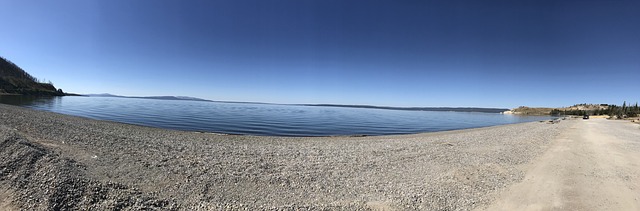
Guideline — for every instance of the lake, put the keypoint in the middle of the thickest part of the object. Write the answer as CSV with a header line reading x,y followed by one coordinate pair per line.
x,y
263,119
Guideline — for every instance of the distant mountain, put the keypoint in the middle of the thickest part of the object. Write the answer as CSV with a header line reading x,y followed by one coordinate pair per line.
x,y
151,97
102,95
455,109
174,98
15,81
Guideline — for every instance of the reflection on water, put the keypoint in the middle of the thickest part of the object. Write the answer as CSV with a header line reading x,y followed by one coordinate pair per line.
x,y
28,101
262,119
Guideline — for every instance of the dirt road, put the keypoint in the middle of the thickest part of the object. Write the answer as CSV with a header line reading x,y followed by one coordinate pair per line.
x,y
594,165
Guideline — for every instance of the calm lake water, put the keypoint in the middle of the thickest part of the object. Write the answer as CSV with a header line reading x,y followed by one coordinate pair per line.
x,y
263,119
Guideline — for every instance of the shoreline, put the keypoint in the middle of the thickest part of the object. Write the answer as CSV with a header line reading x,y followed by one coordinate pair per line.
x,y
111,165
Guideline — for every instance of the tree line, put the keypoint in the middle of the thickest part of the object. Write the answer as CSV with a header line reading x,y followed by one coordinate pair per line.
x,y
626,110
9,69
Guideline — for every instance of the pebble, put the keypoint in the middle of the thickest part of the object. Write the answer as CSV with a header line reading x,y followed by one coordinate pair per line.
x,y
155,169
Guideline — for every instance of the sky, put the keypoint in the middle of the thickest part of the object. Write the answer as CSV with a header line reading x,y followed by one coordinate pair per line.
x,y
393,53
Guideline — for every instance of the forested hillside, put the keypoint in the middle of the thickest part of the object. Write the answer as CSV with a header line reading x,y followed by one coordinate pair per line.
x,y
14,80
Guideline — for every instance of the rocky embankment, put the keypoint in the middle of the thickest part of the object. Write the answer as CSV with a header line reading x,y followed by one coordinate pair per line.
x,y
55,162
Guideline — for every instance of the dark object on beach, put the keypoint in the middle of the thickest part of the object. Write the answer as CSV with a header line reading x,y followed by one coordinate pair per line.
x,y
585,117
554,121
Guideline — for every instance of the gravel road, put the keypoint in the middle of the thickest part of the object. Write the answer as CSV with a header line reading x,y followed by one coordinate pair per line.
x,y
591,166
52,161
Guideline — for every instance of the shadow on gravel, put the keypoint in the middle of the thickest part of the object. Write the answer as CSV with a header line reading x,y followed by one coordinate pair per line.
x,y
42,180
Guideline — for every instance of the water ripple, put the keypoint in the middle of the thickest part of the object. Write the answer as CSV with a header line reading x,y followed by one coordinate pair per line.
x,y
264,119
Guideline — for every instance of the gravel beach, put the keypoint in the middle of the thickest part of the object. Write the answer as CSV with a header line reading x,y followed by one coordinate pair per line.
x,y
51,161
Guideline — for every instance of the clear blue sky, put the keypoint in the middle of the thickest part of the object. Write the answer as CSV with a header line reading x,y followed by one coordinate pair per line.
x,y
398,53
